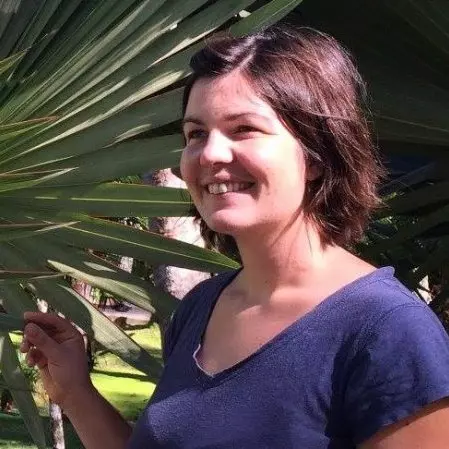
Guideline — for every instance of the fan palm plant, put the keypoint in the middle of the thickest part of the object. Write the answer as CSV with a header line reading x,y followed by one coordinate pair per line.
x,y
90,92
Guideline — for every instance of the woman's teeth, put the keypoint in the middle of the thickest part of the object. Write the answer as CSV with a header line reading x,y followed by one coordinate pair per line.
x,y
225,187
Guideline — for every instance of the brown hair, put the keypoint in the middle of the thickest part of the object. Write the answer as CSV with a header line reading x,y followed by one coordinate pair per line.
x,y
312,84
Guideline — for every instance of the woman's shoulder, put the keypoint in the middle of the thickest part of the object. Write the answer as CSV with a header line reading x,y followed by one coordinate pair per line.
x,y
195,306
398,360
207,290
378,294
375,307
203,294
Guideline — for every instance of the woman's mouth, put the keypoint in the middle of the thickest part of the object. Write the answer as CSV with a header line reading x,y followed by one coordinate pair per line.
x,y
225,187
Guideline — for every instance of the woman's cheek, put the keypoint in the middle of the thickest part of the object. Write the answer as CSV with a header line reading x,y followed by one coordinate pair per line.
x,y
186,167
189,176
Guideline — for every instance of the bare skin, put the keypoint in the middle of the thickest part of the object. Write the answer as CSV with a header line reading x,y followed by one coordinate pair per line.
x,y
427,429
243,319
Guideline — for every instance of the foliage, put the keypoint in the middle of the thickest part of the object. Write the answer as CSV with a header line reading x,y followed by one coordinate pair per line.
x,y
90,93
14,433
31,373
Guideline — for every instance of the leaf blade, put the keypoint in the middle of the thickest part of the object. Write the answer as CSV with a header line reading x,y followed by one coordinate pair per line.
x,y
20,390
9,323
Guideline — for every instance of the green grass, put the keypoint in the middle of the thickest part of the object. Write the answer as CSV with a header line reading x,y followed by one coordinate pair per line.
x,y
123,386
14,435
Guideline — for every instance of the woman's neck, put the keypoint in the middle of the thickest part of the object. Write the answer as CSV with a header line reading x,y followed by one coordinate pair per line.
x,y
293,263
293,258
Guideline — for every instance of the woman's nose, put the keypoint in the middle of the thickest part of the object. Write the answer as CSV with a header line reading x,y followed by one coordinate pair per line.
x,y
217,149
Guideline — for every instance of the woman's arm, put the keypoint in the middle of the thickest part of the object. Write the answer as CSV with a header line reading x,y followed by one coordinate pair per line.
x,y
96,422
427,429
57,349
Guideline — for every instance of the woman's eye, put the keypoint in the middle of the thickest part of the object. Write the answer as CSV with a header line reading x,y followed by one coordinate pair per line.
x,y
196,134
246,129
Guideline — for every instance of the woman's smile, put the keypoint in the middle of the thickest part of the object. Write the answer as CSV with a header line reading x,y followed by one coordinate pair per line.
x,y
235,158
228,187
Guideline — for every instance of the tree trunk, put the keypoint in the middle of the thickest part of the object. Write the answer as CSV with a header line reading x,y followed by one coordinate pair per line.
x,y
56,423
177,281
57,426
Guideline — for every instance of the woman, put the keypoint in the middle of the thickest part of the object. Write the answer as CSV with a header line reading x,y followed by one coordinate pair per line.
x,y
307,346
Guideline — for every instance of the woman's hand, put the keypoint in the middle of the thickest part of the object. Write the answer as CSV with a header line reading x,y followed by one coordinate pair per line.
x,y
54,345
57,349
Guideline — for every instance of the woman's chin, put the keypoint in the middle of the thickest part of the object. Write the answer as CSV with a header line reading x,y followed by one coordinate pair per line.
x,y
230,225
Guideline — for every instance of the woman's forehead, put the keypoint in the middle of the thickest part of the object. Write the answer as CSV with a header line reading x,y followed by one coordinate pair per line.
x,y
226,96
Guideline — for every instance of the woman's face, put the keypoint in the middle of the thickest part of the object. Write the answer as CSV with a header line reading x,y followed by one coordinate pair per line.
x,y
244,169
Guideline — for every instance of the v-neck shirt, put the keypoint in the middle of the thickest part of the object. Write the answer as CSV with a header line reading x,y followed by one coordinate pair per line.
x,y
367,356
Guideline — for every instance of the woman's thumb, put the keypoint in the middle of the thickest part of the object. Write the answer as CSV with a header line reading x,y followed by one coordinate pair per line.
x,y
38,338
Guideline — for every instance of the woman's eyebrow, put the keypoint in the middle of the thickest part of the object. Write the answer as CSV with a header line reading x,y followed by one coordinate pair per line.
x,y
228,117
245,114
190,119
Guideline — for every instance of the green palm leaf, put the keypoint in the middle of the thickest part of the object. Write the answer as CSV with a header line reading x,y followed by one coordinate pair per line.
x,y
20,390
105,200
85,89
10,323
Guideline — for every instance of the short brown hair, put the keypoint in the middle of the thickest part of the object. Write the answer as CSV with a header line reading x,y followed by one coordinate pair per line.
x,y
310,81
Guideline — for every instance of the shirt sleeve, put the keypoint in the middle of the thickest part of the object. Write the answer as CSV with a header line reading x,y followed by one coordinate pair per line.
x,y
401,365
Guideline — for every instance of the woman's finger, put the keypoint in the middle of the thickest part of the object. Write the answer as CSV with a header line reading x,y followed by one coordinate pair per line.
x,y
25,345
29,359
39,338
51,320
57,327
38,358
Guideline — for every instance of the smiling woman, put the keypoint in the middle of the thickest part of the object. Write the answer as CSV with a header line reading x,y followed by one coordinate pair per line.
x,y
311,98
306,346
247,148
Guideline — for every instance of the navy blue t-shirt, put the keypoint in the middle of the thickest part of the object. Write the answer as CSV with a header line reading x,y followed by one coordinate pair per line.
x,y
367,356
